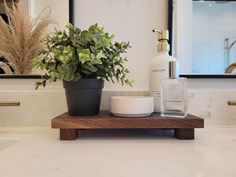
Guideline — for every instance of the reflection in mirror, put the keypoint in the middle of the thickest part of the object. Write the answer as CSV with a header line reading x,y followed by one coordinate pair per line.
x,y
205,36
5,67
32,8
59,10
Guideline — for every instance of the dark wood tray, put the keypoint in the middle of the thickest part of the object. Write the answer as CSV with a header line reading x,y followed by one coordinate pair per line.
x,y
69,125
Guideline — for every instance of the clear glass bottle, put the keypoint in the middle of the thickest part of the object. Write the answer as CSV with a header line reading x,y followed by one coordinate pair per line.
x,y
173,94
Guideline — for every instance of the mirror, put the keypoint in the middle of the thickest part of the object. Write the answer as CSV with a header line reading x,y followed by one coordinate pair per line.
x,y
204,35
59,10
60,13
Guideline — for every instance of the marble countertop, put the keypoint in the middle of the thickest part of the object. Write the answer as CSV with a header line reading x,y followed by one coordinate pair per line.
x,y
37,152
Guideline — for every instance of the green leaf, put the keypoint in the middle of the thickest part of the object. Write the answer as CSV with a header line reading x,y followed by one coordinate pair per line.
x,y
84,55
44,83
64,58
90,67
100,55
37,85
73,53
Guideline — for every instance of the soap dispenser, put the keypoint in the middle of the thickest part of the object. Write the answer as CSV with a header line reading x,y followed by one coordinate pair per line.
x,y
159,67
174,94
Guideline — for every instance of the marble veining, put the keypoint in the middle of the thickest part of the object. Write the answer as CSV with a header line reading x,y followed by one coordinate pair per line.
x,y
5,143
39,153
212,106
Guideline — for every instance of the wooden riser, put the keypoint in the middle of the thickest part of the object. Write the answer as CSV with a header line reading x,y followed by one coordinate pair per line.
x,y
68,125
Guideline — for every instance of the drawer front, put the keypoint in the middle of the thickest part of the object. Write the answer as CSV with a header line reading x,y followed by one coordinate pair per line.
x,y
30,107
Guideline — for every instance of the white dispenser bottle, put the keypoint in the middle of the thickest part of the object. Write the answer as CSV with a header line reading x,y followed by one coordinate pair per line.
x,y
159,67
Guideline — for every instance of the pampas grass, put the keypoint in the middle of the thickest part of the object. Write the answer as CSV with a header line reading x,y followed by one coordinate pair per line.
x,y
20,38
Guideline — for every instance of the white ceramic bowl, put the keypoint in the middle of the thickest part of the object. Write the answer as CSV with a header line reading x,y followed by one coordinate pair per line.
x,y
132,106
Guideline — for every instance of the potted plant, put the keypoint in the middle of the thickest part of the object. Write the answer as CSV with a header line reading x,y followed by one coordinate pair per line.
x,y
82,59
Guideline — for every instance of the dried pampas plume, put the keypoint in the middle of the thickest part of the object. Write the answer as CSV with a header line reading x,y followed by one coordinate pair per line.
x,y
20,37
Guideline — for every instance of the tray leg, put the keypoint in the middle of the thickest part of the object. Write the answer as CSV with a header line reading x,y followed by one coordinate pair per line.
x,y
68,134
184,133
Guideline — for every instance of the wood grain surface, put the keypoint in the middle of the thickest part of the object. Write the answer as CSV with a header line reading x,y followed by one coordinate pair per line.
x,y
106,120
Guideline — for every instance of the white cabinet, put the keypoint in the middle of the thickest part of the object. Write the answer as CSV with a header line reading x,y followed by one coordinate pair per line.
x,y
37,107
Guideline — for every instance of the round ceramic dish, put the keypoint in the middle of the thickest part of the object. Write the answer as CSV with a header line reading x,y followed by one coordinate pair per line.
x,y
131,106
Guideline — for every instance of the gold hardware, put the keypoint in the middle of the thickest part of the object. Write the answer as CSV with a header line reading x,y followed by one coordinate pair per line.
x,y
232,103
230,68
163,37
9,103
162,34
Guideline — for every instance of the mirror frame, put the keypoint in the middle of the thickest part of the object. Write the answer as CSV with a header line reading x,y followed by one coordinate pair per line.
x,y
170,24
170,28
38,76
71,11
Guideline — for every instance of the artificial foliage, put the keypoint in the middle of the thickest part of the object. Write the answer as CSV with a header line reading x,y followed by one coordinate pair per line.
x,y
72,54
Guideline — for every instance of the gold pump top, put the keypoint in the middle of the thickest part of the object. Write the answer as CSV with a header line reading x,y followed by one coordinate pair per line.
x,y
163,37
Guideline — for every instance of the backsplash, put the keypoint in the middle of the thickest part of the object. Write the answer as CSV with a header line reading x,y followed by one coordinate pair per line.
x,y
212,106
37,108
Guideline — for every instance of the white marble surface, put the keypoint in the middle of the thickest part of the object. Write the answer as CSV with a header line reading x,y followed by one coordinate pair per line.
x,y
207,98
36,151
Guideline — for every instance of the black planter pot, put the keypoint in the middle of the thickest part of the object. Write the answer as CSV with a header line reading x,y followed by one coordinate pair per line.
x,y
83,96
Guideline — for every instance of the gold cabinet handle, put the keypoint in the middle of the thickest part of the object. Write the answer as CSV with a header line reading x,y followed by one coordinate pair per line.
x,y
232,103
9,103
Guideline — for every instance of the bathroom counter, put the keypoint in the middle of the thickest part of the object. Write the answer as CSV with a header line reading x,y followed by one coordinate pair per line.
x,y
37,151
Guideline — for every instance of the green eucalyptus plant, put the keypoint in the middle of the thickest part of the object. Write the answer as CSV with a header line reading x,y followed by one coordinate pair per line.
x,y
73,54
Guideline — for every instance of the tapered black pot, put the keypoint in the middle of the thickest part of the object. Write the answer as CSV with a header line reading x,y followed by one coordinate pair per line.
x,y
83,96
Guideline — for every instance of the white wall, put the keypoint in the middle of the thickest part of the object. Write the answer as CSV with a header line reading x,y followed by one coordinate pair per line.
x,y
129,20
